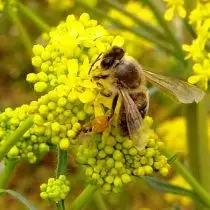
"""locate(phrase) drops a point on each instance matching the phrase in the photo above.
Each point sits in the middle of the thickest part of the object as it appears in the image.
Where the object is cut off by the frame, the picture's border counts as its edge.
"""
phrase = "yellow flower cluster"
(70, 100)
(1, 5)
(173, 7)
(67, 4)
(173, 133)
(133, 42)
(198, 50)
(182, 200)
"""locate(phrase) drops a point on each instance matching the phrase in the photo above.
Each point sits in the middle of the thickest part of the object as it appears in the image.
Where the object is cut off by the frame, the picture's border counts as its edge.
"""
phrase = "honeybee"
(127, 79)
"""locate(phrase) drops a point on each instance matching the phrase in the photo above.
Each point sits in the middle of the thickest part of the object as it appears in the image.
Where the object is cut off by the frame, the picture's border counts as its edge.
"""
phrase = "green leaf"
(163, 186)
(19, 197)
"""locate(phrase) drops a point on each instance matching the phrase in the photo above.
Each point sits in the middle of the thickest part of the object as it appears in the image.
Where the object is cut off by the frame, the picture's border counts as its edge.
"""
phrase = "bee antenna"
(97, 59)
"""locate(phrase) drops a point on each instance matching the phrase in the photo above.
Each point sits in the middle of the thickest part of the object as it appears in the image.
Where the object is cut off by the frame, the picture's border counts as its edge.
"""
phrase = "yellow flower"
(173, 7)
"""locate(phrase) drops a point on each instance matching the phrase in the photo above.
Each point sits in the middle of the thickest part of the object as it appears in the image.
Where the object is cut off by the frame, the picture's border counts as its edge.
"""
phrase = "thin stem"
(98, 199)
(137, 31)
(150, 28)
(7, 171)
(15, 136)
(23, 33)
(201, 192)
(33, 17)
(62, 162)
(164, 25)
(84, 197)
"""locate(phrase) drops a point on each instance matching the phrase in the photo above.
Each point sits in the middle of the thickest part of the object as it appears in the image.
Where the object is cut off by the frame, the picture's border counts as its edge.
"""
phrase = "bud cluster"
(55, 189)
(112, 160)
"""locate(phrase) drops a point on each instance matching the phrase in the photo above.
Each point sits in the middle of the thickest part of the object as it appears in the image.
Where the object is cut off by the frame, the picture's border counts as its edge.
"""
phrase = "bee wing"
(184, 92)
(133, 119)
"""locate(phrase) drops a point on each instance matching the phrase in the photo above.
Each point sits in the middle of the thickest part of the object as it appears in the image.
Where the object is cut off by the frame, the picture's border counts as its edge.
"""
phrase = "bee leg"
(143, 109)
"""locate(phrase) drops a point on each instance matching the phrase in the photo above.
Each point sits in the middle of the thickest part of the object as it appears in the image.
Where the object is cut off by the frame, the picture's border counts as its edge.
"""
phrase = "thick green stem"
(99, 202)
(15, 136)
(62, 162)
(33, 17)
(7, 171)
(201, 192)
(22, 31)
(146, 25)
(84, 197)
(197, 130)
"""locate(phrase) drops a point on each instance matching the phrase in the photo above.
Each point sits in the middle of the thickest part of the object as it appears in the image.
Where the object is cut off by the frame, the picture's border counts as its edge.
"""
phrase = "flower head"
(173, 7)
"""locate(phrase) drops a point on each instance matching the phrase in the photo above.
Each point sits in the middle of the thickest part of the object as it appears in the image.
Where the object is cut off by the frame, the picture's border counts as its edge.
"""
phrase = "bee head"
(109, 58)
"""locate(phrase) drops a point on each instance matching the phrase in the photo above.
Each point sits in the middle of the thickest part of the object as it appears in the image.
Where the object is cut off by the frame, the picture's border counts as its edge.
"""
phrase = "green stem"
(197, 136)
(7, 171)
(62, 162)
(98, 199)
(15, 136)
(150, 28)
(84, 197)
(158, 14)
(23, 33)
(201, 192)
(33, 17)
(137, 31)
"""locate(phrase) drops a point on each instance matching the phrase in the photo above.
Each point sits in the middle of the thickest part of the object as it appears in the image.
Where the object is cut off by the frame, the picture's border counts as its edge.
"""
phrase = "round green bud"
(62, 101)
(140, 171)
(71, 133)
(117, 182)
(89, 171)
(55, 126)
(150, 152)
(40, 87)
(38, 49)
(133, 151)
(31, 77)
(64, 144)
(118, 164)
(126, 178)
(113, 172)
(127, 144)
(101, 154)
(81, 115)
(143, 160)
(164, 171)
(36, 61)
(42, 77)
(109, 179)
(110, 141)
(91, 161)
(148, 170)
(151, 143)
(117, 155)
(109, 150)
(110, 162)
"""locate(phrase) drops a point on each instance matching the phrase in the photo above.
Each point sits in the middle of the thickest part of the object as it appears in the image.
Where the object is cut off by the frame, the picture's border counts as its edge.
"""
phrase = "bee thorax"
(127, 74)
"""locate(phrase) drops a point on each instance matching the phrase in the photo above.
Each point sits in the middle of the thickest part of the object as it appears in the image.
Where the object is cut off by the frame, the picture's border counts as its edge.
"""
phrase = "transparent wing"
(184, 92)
(133, 119)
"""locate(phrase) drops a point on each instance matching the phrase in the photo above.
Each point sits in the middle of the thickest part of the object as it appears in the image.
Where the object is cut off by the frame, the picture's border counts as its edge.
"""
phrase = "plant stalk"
(200, 191)
(84, 197)
(15, 136)
(10, 165)
(33, 17)
(22, 31)
(61, 169)
(99, 202)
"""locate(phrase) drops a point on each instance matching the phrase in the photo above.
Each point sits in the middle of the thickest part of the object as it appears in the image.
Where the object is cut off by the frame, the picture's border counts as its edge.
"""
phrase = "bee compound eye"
(107, 62)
